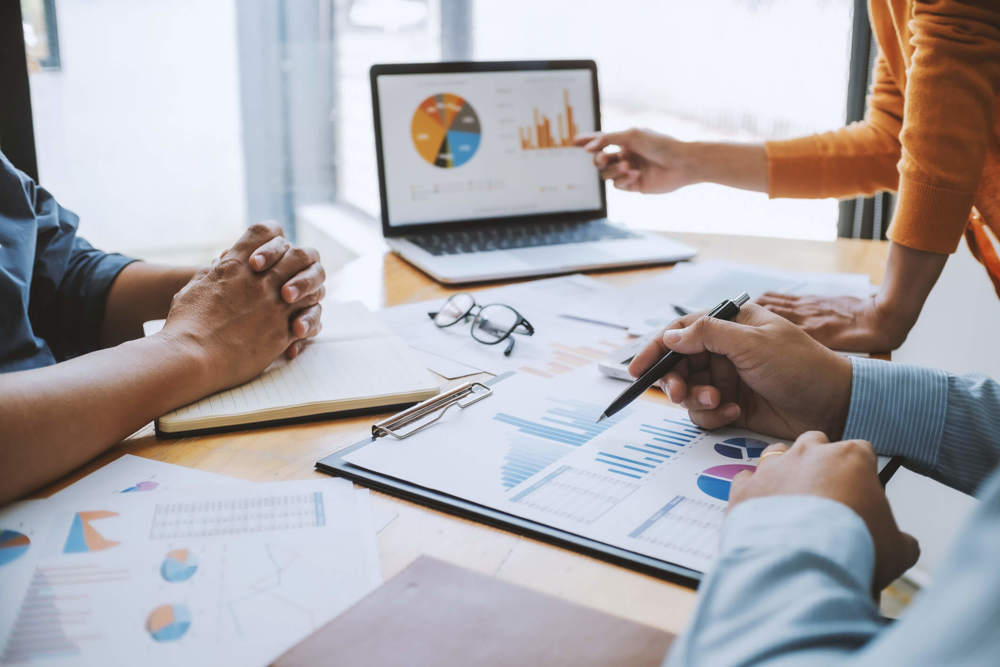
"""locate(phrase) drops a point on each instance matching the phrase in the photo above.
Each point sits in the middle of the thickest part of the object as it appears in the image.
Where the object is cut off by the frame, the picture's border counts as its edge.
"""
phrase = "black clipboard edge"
(334, 464)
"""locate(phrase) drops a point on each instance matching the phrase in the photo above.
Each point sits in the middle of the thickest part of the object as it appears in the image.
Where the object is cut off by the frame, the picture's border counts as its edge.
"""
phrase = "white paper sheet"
(235, 575)
(559, 345)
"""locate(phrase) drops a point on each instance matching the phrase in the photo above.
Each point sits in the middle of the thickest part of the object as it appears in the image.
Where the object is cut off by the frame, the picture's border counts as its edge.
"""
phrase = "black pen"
(726, 310)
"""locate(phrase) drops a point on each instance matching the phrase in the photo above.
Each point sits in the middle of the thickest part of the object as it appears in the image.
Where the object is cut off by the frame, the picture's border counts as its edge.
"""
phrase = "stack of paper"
(145, 562)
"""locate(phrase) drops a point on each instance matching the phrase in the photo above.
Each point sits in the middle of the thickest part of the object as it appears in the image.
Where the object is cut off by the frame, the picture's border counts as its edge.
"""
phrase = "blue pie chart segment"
(743, 449)
(179, 565)
(13, 545)
(717, 480)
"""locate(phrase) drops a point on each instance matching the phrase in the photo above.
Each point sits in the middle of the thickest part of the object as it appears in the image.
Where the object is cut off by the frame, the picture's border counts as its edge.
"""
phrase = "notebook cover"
(435, 613)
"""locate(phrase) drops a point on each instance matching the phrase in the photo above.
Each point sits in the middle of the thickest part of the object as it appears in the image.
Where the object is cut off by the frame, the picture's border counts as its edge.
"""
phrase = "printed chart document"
(180, 578)
(647, 480)
(356, 365)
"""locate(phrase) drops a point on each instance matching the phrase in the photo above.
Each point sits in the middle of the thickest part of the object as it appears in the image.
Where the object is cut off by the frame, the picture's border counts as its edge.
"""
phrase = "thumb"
(708, 334)
(910, 549)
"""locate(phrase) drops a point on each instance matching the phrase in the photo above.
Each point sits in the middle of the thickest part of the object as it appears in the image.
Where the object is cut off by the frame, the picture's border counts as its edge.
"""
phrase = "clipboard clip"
(463, 396)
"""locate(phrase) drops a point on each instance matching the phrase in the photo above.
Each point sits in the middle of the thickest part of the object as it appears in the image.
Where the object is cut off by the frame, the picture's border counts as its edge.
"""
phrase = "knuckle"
(298, 254)
(261, 229)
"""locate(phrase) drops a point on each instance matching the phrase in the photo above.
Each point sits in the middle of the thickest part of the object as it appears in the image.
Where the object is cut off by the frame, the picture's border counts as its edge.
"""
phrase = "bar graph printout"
(193, 577)
(534, 449)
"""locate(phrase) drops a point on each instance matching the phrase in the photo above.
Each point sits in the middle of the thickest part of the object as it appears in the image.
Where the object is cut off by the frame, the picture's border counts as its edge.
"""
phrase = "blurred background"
(169, 125)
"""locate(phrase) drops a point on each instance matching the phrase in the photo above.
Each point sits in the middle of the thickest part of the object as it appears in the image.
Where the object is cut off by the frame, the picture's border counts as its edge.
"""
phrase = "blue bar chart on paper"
(538, 442)
(656, 444)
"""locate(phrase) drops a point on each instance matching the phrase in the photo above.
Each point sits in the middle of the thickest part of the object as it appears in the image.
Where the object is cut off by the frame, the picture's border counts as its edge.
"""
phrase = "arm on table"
(141, 292)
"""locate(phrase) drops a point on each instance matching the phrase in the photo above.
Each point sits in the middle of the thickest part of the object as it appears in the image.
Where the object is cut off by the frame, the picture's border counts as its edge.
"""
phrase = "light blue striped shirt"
(792, 582)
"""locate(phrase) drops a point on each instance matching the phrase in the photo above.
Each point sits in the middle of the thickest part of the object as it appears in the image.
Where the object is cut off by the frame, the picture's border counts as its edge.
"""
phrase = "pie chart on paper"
(168, 622)
(717, 480)
(179, 565)
(13, 545)
(445, 130)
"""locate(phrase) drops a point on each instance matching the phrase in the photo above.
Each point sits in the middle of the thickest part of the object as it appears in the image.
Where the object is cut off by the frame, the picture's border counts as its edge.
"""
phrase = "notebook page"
(327, 370)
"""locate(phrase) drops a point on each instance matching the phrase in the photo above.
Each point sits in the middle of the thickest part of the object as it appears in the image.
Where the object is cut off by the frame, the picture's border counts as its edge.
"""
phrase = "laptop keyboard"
(510, 236)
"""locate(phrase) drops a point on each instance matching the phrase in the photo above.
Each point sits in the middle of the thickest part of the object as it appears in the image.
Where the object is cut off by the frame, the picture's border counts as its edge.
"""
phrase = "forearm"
(55, 418)
(741, 166)
(141, 292)
(909, 277)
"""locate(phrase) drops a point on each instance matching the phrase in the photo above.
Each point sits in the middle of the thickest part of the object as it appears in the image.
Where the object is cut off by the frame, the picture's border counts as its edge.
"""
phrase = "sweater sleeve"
(949, 120)
(858, 159)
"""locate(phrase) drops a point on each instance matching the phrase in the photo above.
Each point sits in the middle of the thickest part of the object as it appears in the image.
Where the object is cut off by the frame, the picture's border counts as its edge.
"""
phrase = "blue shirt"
(792, 582)
(53, 284)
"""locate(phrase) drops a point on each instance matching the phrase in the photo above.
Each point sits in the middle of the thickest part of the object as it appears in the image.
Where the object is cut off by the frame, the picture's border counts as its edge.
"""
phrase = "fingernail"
(292, 293)
(731, 412)
(257, 261)
(704, 398)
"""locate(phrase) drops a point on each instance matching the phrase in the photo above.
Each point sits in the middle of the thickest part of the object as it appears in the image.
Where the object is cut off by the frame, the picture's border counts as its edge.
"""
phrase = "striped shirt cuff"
(900, 409)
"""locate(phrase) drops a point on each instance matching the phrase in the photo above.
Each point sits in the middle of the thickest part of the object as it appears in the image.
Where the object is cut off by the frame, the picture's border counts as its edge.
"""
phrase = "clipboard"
(425, 414)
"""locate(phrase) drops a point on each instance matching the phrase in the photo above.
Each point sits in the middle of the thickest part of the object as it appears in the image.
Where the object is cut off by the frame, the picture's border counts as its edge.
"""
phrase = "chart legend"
(445, 130)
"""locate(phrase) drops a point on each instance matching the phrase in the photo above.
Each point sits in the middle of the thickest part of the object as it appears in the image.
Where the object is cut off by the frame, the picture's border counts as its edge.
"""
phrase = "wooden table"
(289, 452)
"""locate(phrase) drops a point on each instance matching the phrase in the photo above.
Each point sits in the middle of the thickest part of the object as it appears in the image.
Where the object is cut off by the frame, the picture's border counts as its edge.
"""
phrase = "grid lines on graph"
(662, 442)
(684, 525)
(575, 494)
(237, 516)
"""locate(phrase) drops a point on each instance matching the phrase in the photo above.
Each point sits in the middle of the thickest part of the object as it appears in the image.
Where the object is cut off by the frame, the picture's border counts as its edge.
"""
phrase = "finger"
(604, 159)
(724, 415)
(254, 237)
(779, 298)
(910, 548)
(627, 182)
(308, 322)
(703, 397)
(675, 386)
(600, 140)
(811, 438)
(770, 452)
(789, 314)
(295, 349)
(864, 449)
(268, 254)
(304, 282)
(294, 261)
(710, 334)
(617, 170)
(739, 488)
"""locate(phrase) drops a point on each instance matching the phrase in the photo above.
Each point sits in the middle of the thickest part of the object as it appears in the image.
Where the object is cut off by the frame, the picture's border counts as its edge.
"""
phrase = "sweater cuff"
(793, 167)
(930, 218)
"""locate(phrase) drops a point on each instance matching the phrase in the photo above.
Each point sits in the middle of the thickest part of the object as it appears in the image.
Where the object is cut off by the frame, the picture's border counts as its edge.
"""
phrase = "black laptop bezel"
(459, 67)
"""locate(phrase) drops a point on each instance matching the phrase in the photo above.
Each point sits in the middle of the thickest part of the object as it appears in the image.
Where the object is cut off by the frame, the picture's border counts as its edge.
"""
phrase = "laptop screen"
(476, 145)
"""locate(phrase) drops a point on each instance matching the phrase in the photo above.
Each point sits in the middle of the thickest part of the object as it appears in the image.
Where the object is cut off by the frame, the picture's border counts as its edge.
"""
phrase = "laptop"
(478, 177)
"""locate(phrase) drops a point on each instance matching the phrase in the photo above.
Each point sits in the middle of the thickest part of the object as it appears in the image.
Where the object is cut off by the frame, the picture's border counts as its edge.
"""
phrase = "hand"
(760, 371)
(645, 161)
(842, 471)
(304, 288)
(841, 323)
(234, 319)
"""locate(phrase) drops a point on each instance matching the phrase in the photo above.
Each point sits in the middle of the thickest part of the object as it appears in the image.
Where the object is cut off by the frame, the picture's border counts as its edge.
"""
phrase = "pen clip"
(463, 396)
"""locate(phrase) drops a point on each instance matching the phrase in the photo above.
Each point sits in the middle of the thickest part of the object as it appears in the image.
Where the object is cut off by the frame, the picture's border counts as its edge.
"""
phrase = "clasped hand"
(257, 300)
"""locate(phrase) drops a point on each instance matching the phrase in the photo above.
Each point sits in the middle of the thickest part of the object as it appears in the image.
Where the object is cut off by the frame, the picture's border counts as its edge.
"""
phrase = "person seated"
(930, 133)
(809, 538)
(76, 375)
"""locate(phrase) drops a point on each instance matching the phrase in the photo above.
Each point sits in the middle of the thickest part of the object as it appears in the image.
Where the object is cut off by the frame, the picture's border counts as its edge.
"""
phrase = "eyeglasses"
(491, 324)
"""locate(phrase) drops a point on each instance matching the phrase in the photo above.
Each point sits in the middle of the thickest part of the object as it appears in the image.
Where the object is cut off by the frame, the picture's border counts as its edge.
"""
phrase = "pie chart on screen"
(717, 480)
(743, 449)
(13, 545)
(445, 130)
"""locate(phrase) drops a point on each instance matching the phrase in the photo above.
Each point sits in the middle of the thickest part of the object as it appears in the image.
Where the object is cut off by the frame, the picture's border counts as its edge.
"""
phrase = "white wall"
(139, 132)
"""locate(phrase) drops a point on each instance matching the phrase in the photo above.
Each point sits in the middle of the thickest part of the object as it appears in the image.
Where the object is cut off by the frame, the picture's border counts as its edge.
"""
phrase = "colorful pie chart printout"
(717, 480)
(445, 130)
(179, 565)
(743, 449)
(168, 622)
(13, 545)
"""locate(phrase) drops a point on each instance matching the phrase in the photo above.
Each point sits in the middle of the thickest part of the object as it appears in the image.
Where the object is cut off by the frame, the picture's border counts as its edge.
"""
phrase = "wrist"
(735, 165)
(190, 355)
(839, 397)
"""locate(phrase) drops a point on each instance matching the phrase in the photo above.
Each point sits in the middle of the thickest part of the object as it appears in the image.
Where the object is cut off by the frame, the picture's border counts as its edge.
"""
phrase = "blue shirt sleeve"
(56, 284)
(945, 426)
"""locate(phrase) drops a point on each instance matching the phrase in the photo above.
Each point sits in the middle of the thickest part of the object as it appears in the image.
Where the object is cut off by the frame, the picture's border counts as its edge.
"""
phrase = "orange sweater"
(931, 131)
